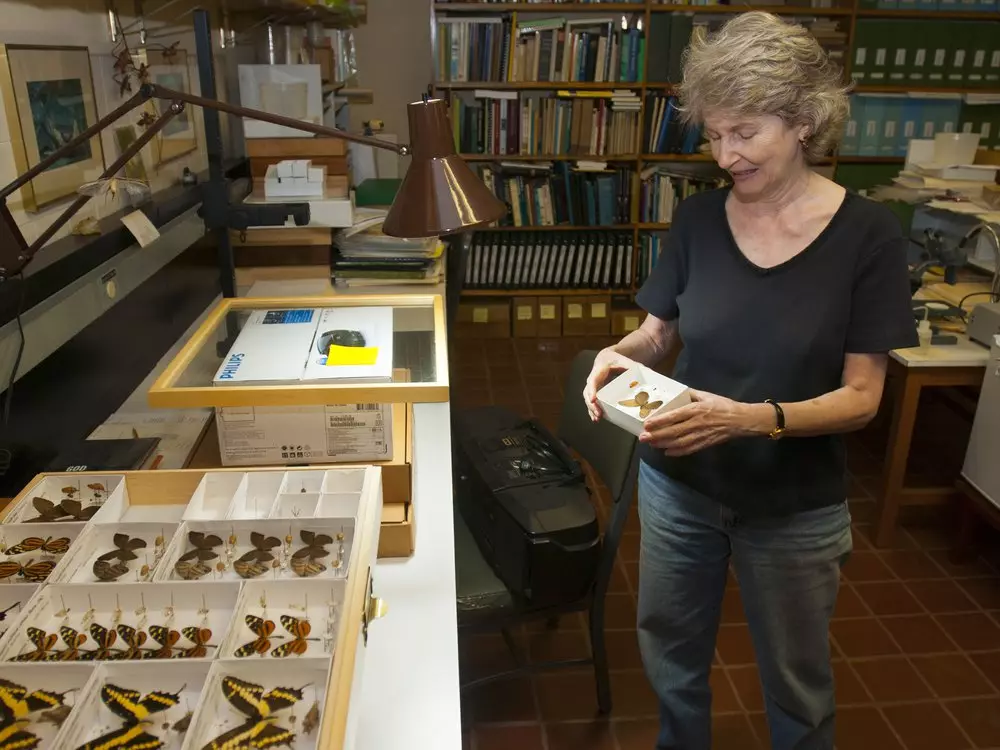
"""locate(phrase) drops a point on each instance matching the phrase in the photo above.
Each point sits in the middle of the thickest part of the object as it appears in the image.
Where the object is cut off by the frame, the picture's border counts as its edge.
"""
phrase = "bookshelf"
(605, 71)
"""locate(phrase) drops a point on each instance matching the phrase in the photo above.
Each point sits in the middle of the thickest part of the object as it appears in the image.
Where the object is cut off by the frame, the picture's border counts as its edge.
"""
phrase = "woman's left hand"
(708, 420)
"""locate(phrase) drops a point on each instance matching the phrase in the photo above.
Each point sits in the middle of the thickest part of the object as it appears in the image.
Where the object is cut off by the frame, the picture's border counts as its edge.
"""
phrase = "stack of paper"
(365, 256)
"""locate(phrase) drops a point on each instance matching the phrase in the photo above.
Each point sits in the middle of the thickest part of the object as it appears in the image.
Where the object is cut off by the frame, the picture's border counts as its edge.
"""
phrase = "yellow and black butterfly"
(253, 734)
(14, 737)
(128, 737)
(43, 645)
(259, 731)
(16, 702)
(35, 572)
(73, 641)
(262, 643)
(105, 638)
(167, 639)
(200, 637)
(300, 629)
(134, 638)
(55, 546)
(133, 706)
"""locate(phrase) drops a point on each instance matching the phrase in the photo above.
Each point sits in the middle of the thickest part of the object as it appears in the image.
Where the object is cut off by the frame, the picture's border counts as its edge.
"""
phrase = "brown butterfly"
(105, 570)
(75, 509)
(646, 407)
(167, 639)
(262, 643)
(134, 638)
(47, 511)
(73, 641)
(125, 547)
(43, 645)
(305, 560)
(104, 638)
(200, 637)
(251, 564)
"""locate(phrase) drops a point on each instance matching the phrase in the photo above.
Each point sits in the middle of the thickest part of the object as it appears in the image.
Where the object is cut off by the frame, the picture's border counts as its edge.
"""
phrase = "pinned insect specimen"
(105, 570)
(73, 641)
(182, 724)
(3, 612)
(641, 399)
(300, 629)
(47, 511)
(125, 547)
(57, 546)
(16, 702)
(98, 489)
(56, 715)
(33, 572)
(252, 564)
(146, 119)
(263, 629)
(633, 384)
(134, 640)
(311, 719)
(200, 637)
(43, 645)
(135, 709)
(111, 187)
(167, 638)
(70, 490)
(305, 560)
(260, 730)
(104, 638)
(192, 564)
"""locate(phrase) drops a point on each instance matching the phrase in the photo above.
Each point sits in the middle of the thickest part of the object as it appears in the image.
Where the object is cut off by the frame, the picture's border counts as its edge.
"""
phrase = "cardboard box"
(575, 317)
(598, 315)
(483, 319)
(525, 317)
(550, 317)
(290, 435)
(396, 535)
(271, 348)
(626, 320)
(658, 387)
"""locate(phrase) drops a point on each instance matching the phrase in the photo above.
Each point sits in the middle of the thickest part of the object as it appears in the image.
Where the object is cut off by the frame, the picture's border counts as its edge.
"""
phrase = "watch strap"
(780, 423)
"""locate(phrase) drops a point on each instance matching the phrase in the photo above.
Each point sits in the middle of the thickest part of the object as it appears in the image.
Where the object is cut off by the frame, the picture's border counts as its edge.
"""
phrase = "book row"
(547, 194)
(660, 190)
(960, 54)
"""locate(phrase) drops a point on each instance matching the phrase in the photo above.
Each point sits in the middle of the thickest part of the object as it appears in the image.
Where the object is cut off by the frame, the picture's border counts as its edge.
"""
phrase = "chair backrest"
(609, 450)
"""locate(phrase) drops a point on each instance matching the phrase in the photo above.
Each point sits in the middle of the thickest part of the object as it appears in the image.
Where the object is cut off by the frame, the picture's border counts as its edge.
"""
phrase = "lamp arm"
(160, 92)
(139, 98)
(175, 109)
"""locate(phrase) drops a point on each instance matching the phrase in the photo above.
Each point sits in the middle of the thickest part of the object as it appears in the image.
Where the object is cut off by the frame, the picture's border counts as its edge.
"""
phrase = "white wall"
(85, 23)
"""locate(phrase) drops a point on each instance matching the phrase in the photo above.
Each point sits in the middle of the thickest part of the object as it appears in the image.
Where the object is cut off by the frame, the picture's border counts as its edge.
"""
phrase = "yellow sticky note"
(631, 322)
(598, 310)
(574, 311)
(524, 312)
(480, 315)
(547, 312)
(351, 355)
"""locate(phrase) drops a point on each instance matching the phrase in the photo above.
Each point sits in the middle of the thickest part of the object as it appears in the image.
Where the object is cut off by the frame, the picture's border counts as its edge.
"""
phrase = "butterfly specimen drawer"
(190, 609)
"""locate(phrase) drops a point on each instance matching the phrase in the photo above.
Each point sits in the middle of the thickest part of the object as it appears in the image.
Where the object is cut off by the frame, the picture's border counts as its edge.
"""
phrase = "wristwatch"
(779, 428)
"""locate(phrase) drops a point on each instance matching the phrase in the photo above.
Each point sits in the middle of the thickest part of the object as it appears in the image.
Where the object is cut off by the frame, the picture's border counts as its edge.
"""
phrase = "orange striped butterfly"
(35, 572)
(52, 546)
(299, 629)
(262, 643)
(200, 637)
(73, 641)
(167, 639)
(43, 646)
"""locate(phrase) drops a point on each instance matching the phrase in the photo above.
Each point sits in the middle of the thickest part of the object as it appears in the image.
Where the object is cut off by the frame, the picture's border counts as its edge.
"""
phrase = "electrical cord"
(961, 302)
(9, 391)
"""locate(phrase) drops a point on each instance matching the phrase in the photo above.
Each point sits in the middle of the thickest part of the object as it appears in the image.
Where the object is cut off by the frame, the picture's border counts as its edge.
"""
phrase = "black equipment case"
(526, 502)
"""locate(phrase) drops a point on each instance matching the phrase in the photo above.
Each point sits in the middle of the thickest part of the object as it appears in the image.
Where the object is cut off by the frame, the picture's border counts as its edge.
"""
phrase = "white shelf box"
(202, 606)
(344, 480)
(178, 679)
(317, 603)
(216, 715)
(77, 565)
(213, 497)
(256, 494)
(14, 599)
(67, 683)
(302, 482)
(52, 537)
(625, 388)
(296, 505)
(51, 493)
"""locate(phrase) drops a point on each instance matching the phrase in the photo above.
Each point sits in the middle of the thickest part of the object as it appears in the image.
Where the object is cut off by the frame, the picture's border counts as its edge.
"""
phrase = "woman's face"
(761, 153)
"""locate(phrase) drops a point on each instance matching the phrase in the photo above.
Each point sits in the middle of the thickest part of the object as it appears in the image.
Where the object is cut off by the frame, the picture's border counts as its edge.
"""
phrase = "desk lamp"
(439, 195)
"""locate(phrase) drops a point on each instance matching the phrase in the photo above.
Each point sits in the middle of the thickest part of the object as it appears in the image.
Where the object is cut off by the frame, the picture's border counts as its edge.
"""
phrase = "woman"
(787, 293)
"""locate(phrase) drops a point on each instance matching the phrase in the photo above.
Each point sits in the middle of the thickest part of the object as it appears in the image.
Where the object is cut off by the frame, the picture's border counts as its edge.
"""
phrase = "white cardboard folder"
(672, 393)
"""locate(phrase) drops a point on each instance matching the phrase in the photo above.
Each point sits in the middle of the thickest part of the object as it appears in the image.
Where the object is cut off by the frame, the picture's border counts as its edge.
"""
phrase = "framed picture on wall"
(177, 138)
(48, 98)
(125, 136)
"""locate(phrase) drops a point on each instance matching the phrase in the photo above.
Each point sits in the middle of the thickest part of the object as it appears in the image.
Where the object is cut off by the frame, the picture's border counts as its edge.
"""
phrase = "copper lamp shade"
(439, 194)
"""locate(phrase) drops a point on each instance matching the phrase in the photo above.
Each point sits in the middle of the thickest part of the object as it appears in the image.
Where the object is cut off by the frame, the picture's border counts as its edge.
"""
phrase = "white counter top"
(410, 688)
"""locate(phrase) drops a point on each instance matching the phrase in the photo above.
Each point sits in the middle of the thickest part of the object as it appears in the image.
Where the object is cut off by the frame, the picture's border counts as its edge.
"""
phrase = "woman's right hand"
(608, 361)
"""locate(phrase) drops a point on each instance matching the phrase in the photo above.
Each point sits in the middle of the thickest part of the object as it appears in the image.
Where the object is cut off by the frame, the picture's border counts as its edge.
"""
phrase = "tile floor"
(916, 639)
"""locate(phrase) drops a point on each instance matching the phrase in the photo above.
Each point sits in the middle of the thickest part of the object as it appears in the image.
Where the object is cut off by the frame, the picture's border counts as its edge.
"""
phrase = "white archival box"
(374, 323)
(659, 387)
(294, 91)
(272, 347)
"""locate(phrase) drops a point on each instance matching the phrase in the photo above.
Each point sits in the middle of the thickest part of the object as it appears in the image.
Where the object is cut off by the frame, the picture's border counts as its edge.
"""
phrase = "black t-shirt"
(751, 334)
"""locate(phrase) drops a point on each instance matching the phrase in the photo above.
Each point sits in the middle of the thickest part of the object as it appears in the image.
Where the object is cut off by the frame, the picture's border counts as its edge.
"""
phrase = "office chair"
(485, 604)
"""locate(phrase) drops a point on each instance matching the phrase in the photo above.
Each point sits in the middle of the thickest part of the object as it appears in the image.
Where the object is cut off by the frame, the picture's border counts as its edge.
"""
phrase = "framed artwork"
(48, 98)
(125, 136)
(178, 137)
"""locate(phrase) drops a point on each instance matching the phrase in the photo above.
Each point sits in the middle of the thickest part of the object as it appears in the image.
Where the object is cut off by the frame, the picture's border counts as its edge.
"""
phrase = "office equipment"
(981, 468)
(984, 323)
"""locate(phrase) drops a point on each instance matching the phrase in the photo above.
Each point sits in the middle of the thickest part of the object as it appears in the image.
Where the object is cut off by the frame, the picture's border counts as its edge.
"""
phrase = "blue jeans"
(788, 571)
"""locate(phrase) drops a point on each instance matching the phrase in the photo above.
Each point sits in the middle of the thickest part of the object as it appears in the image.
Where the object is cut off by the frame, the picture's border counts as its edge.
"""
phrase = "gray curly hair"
(757, 64)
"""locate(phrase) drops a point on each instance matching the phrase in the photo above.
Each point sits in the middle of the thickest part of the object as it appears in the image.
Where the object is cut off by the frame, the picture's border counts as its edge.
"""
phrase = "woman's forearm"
(650, 342)
(844, 410)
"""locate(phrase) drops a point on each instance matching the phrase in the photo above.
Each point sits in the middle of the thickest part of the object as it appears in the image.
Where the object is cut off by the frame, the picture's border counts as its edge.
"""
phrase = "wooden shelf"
(541, 292)
(862, 88)
(546, 157)
(676, 157)
(652, 225)
(935, 15)
(782, 10)
(561, 228)
(537, 85)
(541, 7)
(870, 159)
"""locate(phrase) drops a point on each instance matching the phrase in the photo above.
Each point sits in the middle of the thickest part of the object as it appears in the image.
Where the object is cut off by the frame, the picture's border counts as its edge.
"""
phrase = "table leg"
(906, 397)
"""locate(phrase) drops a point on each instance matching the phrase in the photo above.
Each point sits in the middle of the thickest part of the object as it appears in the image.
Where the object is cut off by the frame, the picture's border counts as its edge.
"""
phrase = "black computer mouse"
(339, 338)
